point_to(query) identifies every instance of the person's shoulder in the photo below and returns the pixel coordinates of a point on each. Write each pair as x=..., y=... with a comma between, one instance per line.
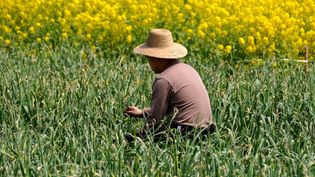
x=175, y=70
x=161, y=81
x=177, y=67
x=184, y=66
x=181, y=64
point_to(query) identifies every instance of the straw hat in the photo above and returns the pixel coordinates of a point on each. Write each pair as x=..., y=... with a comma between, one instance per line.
x=160, y=45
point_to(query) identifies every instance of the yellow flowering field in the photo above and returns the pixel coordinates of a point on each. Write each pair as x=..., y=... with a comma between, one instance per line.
x=235, y=27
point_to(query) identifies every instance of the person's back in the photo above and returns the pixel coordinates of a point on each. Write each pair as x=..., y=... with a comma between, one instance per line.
x=188, y=96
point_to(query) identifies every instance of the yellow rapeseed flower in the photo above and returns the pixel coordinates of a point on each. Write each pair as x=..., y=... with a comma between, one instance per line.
x=241, y=41
x=250, y=41
x=64, y=35
x=88, y=37
x=228, y=49
x=46, y=38
x=6, y=29
x=218, y=21
x=24, y=35
x=220, y=47
x=250, y=49
x=271, y=48
x=265, y=40
x=7, y=42
x=31, y=30
x=83, y=55
x=38, y=40
x=189, y=31
x=129, y=38
x=129, y=28
x=212, y=35
x=201, y=34
x=188, y=7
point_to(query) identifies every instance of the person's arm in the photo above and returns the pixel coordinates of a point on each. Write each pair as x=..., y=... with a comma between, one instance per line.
x=134, y=111
x=146, y=112
x=159, y=102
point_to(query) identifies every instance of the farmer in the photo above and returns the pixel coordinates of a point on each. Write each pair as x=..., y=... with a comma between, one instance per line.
x=178, y=91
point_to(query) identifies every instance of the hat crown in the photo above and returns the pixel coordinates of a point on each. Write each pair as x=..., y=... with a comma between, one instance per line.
x=160, y=44
x=160, y=38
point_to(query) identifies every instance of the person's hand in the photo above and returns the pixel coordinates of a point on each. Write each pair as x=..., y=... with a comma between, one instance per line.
x=133, y=111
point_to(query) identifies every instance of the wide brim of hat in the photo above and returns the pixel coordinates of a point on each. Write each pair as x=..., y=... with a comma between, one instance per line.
x=173, y=52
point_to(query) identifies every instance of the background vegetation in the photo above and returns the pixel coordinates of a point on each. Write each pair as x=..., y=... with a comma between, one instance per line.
x=67, y=70
x=247, y=29
x=61, y=115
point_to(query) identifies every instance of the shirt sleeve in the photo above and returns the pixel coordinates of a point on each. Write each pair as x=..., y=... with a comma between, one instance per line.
x=160, y=101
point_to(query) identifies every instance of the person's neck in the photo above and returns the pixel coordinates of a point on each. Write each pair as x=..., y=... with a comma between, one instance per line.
x=164, y=64
x=171, y=63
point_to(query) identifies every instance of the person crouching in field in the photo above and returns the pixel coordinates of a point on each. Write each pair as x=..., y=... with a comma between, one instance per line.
x=177, y=86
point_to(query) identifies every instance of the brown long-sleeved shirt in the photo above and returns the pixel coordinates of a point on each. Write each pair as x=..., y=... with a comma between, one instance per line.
x=180, y=88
